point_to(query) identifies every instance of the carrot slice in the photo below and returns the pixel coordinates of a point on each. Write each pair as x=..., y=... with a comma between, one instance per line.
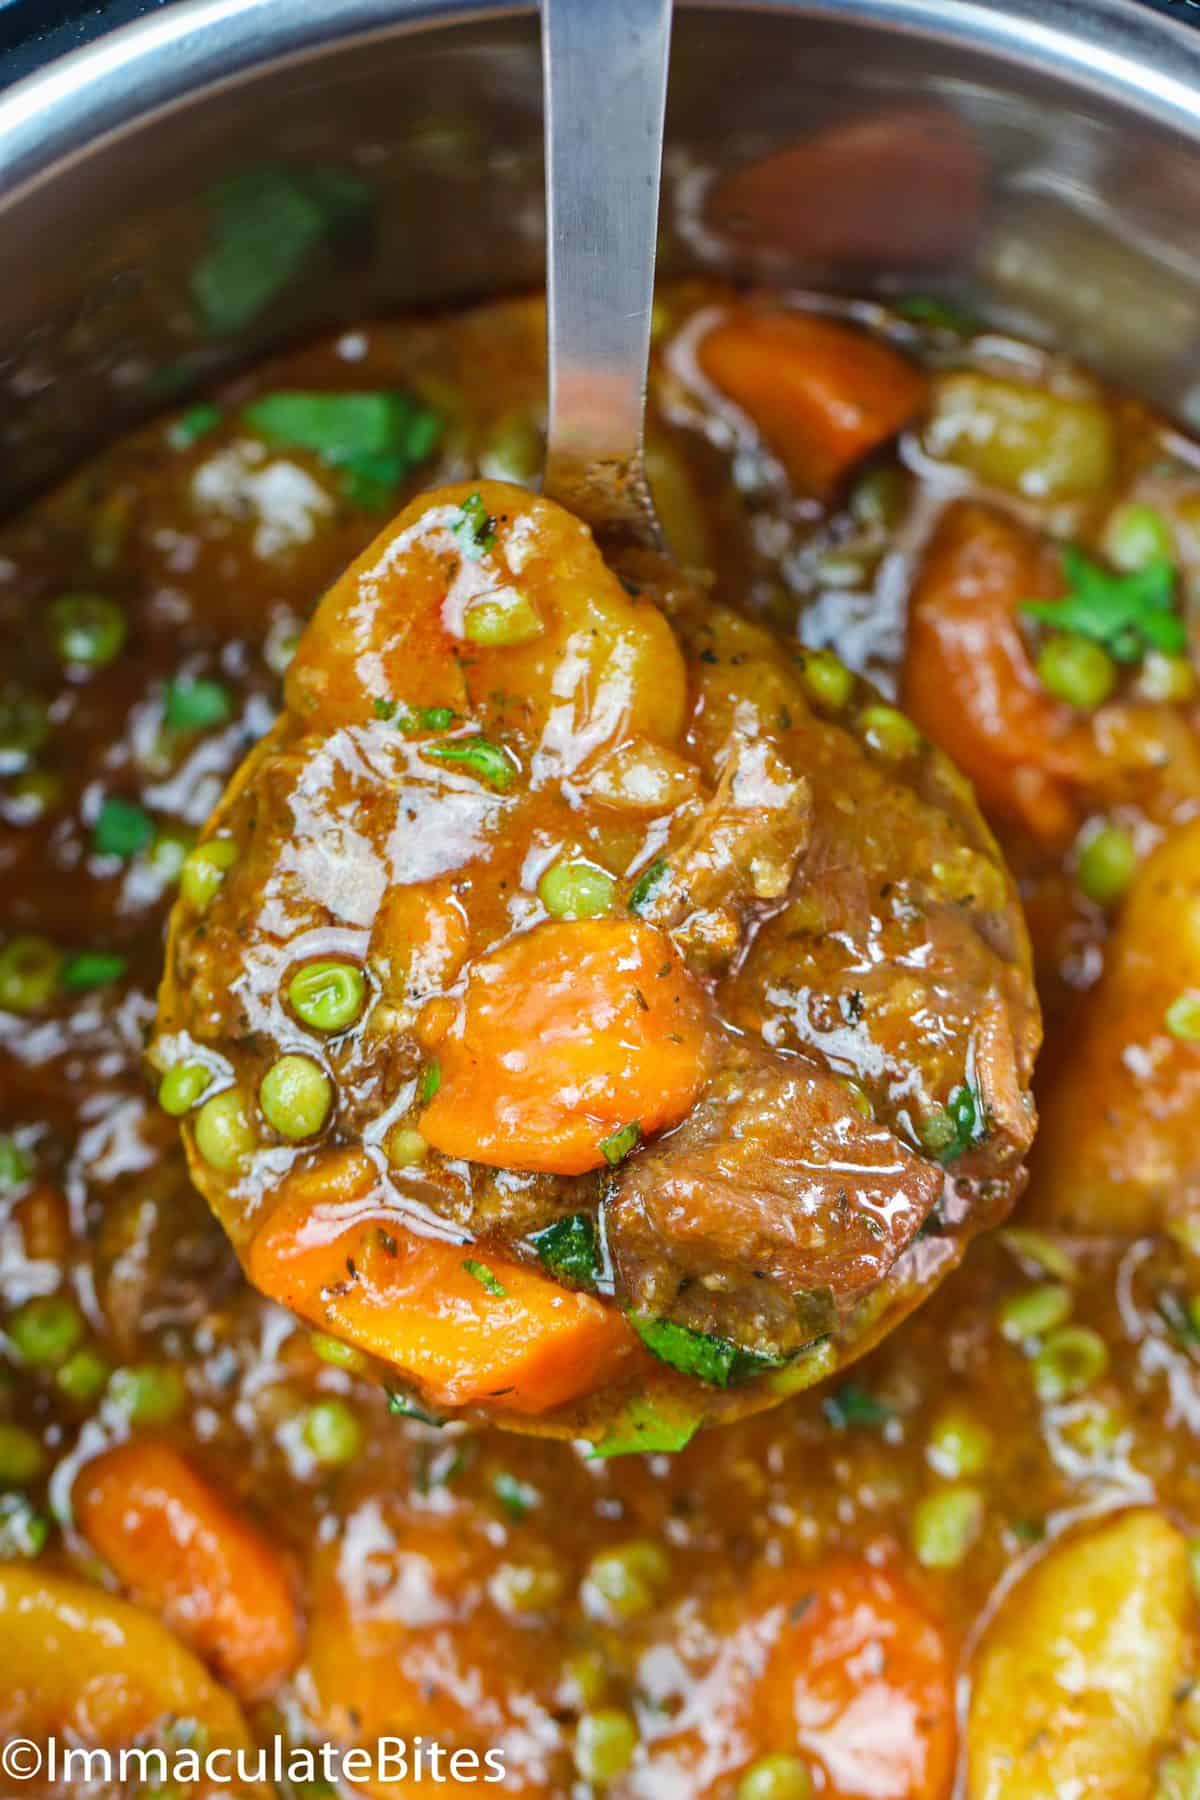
x=568, y=1036
x=968, y=679
x=822, y=394
x=183, y=1551
x=466, y=1329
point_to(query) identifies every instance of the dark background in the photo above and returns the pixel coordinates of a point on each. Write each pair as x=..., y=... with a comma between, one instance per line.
x=33, y=32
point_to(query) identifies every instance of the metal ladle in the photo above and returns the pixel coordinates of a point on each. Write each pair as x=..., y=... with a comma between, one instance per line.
x=605, y=79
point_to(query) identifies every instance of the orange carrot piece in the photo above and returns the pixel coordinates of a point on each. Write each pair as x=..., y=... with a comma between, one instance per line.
x=968, y=680
x=859, y=1678
x=568, y=1035
x=184, y=1552
x=334, y=1252
x=822, y=394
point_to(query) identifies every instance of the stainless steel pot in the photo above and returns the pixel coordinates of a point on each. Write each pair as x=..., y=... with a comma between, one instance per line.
x=1040, y=158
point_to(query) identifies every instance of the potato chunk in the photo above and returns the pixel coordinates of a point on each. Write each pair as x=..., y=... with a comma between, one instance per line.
x=1026, y=439
x=1131, y=1071
x=1073, y=1684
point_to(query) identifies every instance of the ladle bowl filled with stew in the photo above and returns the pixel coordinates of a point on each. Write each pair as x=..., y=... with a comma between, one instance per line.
x=459, y=989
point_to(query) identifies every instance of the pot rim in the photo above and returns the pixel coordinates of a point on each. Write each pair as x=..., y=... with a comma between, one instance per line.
x=1146, y=61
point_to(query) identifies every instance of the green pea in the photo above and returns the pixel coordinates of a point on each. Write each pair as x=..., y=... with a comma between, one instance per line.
x=959, y=1444
x=193, y=703
x=46, y=1330
x=182, y=1086
x=406, y=1148
x=204, y=869
x=149, y=1393
x=1168, y=679
x=576, y=890
x=500, y=619
x=332, y=1432
x=526, y=1587
x=24, y=727
x=331, y=1350
x=24, y=1533
x=779, y=1777
x=16, y=1165
x=83, y=1377
x=888, y=732
x=1136, y=535
x=1179, y=1778
x=584, y=1678
x=1040, y=1248
x=1035, y=1311
x=1076, y=670
x=22, y=1458
x=327, y=995
x=1182, y=1017
x=605, y=1745
x=626, y=1581
x=296, y=1096
x=223, y=1132
x=122, y=828
x=828, y=680
x=945, y=1525
x=170, y=850
x=877, y=498
x=29, y=968
x=1107, y=864
x=33, y=794
x=87, y=629
x=1068, y=1363
x=91, y=969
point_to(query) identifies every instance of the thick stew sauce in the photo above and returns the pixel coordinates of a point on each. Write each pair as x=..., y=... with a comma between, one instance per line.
x=595, y=1003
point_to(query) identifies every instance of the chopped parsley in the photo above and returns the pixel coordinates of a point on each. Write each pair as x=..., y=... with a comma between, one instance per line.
x=474, y=531
x=854, y=1408
x=375, y=439
x=644, y=1427
x=569, y=1249
x=942, y=315
x=194, y=703
x=617, y=1147
x=957, y=1127
x=414, y=718
x=645, y=885
x=479, y=1271
x=193, y=424
x=268, y=225
x=481, y=756
x=405, y=1407
x=1127, y=613
x=516, y=1497
x=698, y=1353
x=430, y=1082
x=122, y=828
x=92, y=969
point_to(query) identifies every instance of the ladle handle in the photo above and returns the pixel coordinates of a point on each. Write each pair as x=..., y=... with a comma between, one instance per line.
x=605, y=68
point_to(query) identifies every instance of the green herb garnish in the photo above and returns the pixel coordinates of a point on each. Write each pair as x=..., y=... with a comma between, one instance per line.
x=376, y=438
x=516, y=1497
x=481, y=756
x=383, y=709
x=698, y=1353
x=479, y=1271
x=645, y=885
x=92, y=969
x=405, y=1407
x=474, y=531
x=853, y=1408
x=617, y=1147
x=122, y=828
x=411, y=719
x=942, y=315
x=194, y=703
x=268, y=224
x=644, y=1427
x=193, y=424
x=569, y=1249
x=430, y=1082
x=1127, y=613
